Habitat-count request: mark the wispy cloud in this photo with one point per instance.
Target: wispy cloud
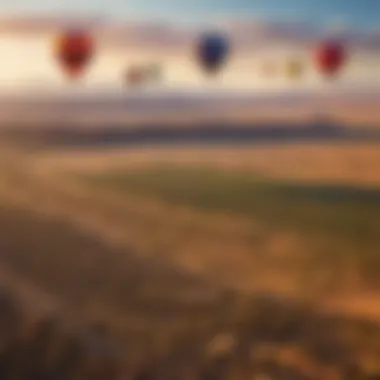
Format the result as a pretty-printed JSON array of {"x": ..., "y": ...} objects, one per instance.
[
  {"x": 244, "y": 32},
  {"x": 45, "y": 23}
]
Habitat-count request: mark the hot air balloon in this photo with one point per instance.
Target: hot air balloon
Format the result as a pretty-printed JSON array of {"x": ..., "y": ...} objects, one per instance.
[
  {"x": 74, "y": 50},
  {"x": 329, "y": 58},
  {"x": 135, "y": 76},
  {"x": 154, "y": 71},
  {"x": 294, "y": 69},
  {"x": 212, "y": 51}
]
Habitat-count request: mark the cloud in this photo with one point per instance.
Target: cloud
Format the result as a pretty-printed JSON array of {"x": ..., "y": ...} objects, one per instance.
[
  {"x": 144, "y": 34},
  {"x": 47, "y": 22},
  {"x": 246, "y": 33},
  {"x": 260, "y": 33}
]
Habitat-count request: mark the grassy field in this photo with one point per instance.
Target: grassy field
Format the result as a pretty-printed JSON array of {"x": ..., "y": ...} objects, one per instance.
[
  {"x": 354, "y": 164},
  {"x": 287, "y": 210},
  {"x": 339, "y": 222},
  {"x": 195, "y": 272}
]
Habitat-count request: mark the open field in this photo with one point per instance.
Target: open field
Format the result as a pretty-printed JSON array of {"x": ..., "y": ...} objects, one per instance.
[
  {"x": 335, "y": 225},
  {"x": 338, "y": 210},
  {"x": 348, "y": 163},
  {"x": 338, "y": 193},
  {"x": 251, "y": 265}
]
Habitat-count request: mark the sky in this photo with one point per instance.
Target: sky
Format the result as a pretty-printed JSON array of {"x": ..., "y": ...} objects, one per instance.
[
  {"x": 30, "y": 70},
  {"x": 362, "y": 14},
  {"x": 20, "y": 45},
  {"x": 180, "y": 72}
]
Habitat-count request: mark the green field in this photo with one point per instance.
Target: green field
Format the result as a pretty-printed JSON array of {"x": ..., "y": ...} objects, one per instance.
[{"x": 339, "y": 222}]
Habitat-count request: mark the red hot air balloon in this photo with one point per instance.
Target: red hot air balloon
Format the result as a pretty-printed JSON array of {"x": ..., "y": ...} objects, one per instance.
[
  {"x": 330, "y": 57},
  {"x": 74, "y": 51}
]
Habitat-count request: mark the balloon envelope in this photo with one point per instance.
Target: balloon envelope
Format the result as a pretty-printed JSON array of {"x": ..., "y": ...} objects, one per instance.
[
  {"x": 154, "y": 71},
  {"x": 135, "y": 76},
  {"x": 294, "y": 69},
  {"x": 74, "y": 51},
  {"x": 330, "y": 57},
  {"x": 213, "y": 49}
]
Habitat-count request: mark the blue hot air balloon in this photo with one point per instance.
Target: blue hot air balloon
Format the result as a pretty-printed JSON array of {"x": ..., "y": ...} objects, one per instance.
[{"x": 213, "y": 49}]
